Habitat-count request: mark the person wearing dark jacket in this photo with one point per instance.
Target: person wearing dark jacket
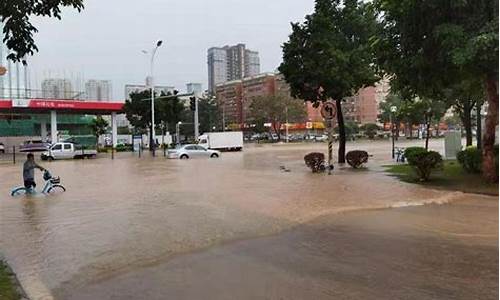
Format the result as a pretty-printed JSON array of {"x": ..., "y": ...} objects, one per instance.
[{"x": 29, "y": 171}]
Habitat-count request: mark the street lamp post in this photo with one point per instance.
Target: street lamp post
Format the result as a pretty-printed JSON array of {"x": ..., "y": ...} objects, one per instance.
[
  {"x": 153, "y": 136},
  {"x": 177, "y": 133},
  {"x": 393, "y": 110}
]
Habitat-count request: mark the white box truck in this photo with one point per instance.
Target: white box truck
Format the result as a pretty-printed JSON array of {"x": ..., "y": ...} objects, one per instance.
[{"x": 228, "y": 140}]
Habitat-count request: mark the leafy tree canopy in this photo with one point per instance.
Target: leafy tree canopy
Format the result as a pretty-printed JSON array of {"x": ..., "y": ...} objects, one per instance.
[
  {"x": 428, "y": 45},
  {"x": 276, "y": 109},
  {"x": 18, "y": 30},
  {"x": 328, "y": 55}
]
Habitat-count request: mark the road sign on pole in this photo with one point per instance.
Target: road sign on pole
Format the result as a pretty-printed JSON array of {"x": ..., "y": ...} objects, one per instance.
[{"x": 329, "y": 112}]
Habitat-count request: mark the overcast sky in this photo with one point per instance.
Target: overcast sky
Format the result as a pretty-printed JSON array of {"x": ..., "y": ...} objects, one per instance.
[{"x": 105, "y": 40}]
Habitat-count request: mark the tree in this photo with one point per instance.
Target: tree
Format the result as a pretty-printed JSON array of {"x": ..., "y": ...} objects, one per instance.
[
  {"x": 387, "y": 115},
  {"x": 370, "y": 129},
  {"x": 18, "y": 30},
  {"x": 351, "y": 129},
  {"x": 208, "y": 114},
  {"x": 433, "y": 113},
  {"x": 138, "y": 110},
  {"x": 98, "y": 127},
  {"x": 328, "y": 57},
  {"x": 428, "y": 46},
  {"x": 277, "y": 109},
  {"x": 169, "y": 110},
  {"x": 463, "y": 98}
]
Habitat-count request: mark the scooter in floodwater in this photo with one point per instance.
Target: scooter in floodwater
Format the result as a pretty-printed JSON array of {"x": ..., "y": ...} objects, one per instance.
[{"x": 52, "y": 186}]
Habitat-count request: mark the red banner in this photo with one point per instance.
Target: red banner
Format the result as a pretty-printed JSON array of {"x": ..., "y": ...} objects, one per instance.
[{"x": 74, "y": 105}]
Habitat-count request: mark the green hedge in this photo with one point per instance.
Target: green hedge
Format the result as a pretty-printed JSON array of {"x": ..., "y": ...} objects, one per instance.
[
  {"x": 423, "y": 161},
  {"x": 410, "y": 152},
  {"x": 470, "y": 159}
]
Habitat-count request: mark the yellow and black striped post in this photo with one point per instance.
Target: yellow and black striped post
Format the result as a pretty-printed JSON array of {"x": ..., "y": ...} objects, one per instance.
[
  {"x": 328, "y": 112},
  {"x": 330, "y": 146}
]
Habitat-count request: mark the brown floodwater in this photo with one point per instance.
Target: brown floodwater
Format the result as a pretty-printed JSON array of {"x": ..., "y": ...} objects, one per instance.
[{"x": 119, "y": 216}]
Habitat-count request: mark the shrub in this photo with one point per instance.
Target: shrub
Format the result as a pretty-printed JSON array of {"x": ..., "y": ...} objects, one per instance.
[
  {"x": 424, "y": 162},
  {"x": 470, "y": 159},
  {"x": 356, "y": 158},
  {"x": 315, "y": 161},
  {"x": 410, "y": 152}
]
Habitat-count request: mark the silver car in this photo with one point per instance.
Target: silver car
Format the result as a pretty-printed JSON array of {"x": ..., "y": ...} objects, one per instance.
[{"x": 192, "y": 151}]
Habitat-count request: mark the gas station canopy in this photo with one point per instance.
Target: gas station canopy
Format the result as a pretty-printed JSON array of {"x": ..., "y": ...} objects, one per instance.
[{"x": 33, "y": 106}]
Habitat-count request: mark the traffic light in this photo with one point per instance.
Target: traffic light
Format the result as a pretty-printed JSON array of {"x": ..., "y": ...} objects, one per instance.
[{"x": 192, "y": 103}]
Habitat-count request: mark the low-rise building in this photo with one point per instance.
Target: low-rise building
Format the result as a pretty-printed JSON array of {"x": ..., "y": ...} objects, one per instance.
[{"x": 235, "y": 97}]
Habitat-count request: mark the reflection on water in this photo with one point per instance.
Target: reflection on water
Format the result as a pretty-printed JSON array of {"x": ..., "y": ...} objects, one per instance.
[{"x": 128, "y": 213}]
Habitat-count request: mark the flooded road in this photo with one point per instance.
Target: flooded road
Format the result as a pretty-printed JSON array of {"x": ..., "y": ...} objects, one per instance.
[{"x": 120, "y": 217}]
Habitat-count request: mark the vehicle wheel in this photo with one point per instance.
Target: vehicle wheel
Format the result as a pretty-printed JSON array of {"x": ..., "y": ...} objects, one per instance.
[
  {"x": 18, "y": 191},
  {"x": 215, "y": 155},
  {"x": 56, "y": 188},
  {"x": 184, "y": 156},
  {"x": 50, "y": 158}
]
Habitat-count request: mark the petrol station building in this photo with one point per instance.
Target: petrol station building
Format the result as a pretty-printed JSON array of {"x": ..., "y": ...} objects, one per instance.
[{"x": 48, "y": 111}]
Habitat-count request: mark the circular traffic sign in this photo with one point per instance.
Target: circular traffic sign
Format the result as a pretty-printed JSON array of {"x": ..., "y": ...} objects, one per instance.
[{"x": 328, "y": 110}]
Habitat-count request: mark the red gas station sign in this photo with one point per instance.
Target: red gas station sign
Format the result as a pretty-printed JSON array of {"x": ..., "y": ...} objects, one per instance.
[
  {"x": 74, "y": 105},
  {"x": 50, "y": 104}
]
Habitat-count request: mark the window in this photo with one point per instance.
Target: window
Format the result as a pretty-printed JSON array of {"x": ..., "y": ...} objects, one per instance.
[
  {"x": 200, "y": 148},
  {"x": 203, "y": 141},
  {"x": 190, "y": 148},
  {"x": 67, "y": 147},
  {"x": 57, "y": 147}
]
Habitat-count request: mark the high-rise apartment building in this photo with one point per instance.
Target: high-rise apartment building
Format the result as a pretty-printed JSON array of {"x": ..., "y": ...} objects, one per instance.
[
  {"x": 56, "y": 88},
  {"x": 98, "y": 90},
  {"x": 231, "y": 63},
  {"x": 194, "y": 88}
]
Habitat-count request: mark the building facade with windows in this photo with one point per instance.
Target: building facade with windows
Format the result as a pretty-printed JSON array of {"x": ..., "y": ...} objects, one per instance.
[
  {"x": 230, "y": 63},
  {"x": 57, "y": 88},
  {"x": 235, "y": 97},
  {"x": 194, "y": 88},
  {"x": 99, "y": 90}
]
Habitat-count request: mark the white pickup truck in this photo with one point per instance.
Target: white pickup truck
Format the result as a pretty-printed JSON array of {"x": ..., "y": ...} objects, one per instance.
[
  {"x": 67, "y": 151},
  {"x": 228, "y": 140}
]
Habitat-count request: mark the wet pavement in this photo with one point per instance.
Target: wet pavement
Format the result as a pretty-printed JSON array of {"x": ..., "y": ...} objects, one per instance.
[{"x": 240, "y": 227}]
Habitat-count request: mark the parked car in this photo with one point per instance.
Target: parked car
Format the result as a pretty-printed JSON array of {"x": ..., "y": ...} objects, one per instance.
[
  {"x": 321, "y": 138},
  {"x": 67, "y": 151},
  {"x": 192, "y": 151},
  {"x": 2, "y": 148},
  {"x": 33, "y": 146}
]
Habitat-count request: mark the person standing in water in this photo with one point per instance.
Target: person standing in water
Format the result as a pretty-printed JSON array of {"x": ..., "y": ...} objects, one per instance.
[{"x": 29, "y": 171}]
